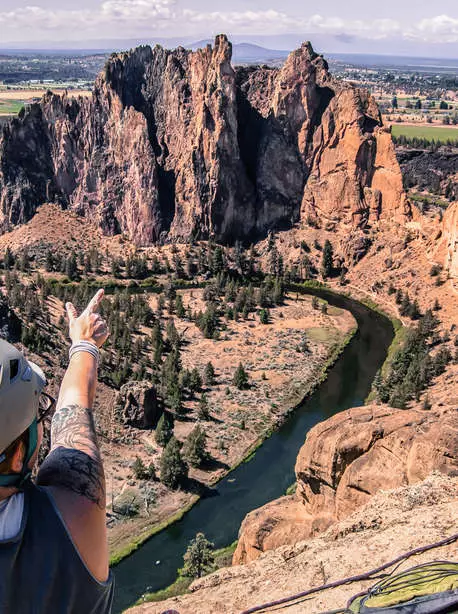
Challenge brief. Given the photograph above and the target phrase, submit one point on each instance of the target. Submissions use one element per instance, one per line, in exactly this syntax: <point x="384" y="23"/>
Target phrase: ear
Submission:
<point x="18" y="458"/>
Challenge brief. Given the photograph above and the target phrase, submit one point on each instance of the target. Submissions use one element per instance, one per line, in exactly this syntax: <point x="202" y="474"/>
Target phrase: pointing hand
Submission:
<point x="89" y="326"/>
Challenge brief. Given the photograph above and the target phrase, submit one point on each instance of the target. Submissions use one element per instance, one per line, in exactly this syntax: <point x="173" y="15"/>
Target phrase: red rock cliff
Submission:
<point x="344" y="462"/>
<point x="179" y="143"/>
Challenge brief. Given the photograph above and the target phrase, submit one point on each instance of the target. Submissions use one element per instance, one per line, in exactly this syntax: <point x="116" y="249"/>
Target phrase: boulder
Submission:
<point x="137" y="405"/>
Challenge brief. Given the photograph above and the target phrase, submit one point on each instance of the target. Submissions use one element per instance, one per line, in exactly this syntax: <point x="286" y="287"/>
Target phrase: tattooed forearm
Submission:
<point x="74" y="462"/>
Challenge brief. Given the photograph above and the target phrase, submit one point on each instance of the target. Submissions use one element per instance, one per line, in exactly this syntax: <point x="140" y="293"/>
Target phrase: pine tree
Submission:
<point x="8" y="259"/>
<point x="194" y="449"/>
<point x="195" y="381"/>
<point x="209" y="374"/>
<point x="179" y="307"/>
<point x="71" y="268"/>
<point x="203" y="412"/>
<point x="240" y="379"/>
<point x="173" y="469"/>
<point x="328" y="258"/>
<point x="140" y="470"/>
<point x="199" y="557"/>
<point x="164" y="429"/>
<point x="218" y="264"/>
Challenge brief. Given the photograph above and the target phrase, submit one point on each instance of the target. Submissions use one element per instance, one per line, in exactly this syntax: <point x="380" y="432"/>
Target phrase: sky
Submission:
<point x="351" y="25"/>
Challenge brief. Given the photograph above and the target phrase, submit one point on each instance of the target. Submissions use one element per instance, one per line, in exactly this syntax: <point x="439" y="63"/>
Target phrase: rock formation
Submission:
<point x="175" y="144"/>
<point x="137" y="405"/>
<point x="443" y="245"/>
<point x="391" y="524"/>
<point x="344" y="462"/>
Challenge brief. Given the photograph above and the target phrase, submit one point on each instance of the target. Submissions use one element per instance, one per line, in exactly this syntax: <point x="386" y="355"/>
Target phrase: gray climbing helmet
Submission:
<point x="21" y="383"/>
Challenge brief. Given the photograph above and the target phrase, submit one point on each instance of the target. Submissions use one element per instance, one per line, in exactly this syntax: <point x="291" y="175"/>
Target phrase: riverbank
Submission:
<point x="270" y="471"/>
<point x="281" y="377"/>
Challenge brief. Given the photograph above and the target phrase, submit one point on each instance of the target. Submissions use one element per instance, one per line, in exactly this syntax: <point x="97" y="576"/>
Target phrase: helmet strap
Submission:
<point x="19" y="480"/>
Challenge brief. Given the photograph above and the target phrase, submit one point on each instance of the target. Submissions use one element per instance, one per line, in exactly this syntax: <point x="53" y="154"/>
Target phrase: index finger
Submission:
<point x="95" y="301"/>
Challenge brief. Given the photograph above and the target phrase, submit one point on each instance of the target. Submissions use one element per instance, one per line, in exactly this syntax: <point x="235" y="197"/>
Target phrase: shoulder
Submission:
<point x="85" y="524"/>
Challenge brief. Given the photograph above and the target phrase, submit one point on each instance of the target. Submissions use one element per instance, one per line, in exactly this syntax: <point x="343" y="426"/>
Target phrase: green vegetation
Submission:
<point x="195" y="447"/>
<point x="222" y="558"/>
<point x="413" y="366"/>
<point x="173" y="469"/>
<point x="10" y="107"/>
<point x="142" y="472"/>
<point x="123" y="552"/>
<point x="240" y="379"/>
<point x="199" y="557"/>
<point x="429" y="133"/>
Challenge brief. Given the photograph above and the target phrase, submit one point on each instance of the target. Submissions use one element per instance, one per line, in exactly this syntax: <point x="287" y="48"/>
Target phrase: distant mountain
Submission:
<point x="260" y="48"/>
<point x="247" y="53"/>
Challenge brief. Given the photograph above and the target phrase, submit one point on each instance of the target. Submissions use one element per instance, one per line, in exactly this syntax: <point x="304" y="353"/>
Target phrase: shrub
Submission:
<point x="240" y="379"/>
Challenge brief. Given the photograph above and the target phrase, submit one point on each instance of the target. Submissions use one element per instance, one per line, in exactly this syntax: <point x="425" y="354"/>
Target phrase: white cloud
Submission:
<point x="437" y="29"/>
<point x="136" y="9"/>
<point x="140" y="18"/>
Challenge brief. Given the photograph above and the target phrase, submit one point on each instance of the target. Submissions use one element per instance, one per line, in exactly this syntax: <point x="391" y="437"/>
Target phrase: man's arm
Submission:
<point x="73" y="470"/>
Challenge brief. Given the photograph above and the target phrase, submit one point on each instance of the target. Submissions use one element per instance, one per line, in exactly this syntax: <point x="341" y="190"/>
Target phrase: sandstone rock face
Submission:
<point x="344" y="462"/>
<point x="137" y="405"/>
<point x="177" y="143"/>
<point x="443" y="246"/>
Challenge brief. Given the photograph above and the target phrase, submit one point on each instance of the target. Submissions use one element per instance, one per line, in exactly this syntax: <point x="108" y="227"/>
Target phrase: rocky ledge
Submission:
<point x="392" y="523"/>
<point x="175" y="144"/>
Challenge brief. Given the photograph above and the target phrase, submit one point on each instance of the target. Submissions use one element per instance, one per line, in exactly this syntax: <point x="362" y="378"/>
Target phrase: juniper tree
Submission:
<point x="173" y="468"/>
<point x="195" y="381"/>
<point x="71" y="268"/>
<point x="199" y="557"/>
<point x="240" y="379"/>
<point x="203" y="411"/>
<point x="179" y="307"/>
<point x="194" y="449"/>
<point x="8" y="259"/>
<point x="164" y="429"/>
<point x="327" y="260"/>
<point x="140" y="470"/>
<point x="209" y="374"/>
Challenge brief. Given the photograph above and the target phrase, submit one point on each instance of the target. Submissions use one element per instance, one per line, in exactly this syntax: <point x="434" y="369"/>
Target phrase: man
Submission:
<point x="53" y="542"/>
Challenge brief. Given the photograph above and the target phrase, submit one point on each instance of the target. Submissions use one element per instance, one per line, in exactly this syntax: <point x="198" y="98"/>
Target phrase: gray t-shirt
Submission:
<point x="11" y="511"/>
<point x="41" y="569"/>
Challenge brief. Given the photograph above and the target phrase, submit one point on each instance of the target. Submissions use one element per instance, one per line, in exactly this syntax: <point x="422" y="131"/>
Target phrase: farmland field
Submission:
<point x="435" y="133"/>
<point x="10" y="107"/>
<point x="11" y="101"/>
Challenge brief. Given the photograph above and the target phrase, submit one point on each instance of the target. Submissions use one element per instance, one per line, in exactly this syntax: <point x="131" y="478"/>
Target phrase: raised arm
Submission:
<point x="73" y="470"/>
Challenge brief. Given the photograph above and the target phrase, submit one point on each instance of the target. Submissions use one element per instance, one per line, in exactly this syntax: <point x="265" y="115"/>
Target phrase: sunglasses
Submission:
<point x="46" y="406"/>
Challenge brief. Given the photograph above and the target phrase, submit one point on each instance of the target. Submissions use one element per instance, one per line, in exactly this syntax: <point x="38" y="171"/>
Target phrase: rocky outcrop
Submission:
<point x="137" y="405"/>
<point x="443" y="244"/>
<point x="391" y="524"/>
<point x="175" y="144"/>
<point x="344" y="462"/>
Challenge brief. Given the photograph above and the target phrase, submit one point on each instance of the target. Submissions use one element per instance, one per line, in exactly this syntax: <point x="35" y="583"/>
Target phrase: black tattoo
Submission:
<point x="74" y="462"/>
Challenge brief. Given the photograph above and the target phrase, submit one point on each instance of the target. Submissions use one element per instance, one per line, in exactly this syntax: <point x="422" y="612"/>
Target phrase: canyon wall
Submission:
<point x="175" y="144"/>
